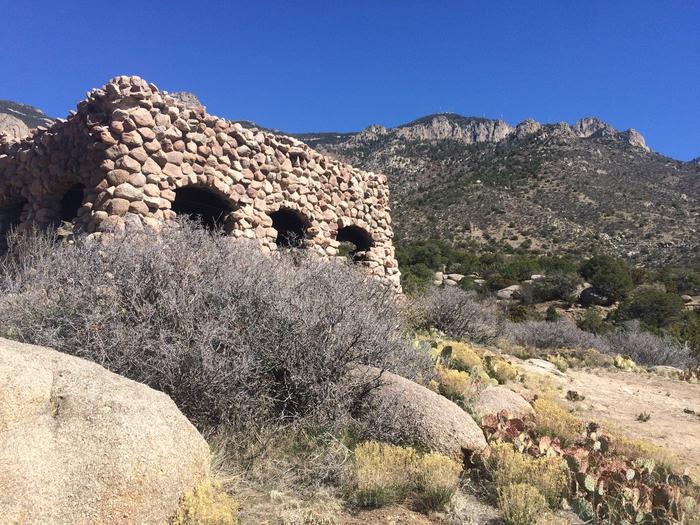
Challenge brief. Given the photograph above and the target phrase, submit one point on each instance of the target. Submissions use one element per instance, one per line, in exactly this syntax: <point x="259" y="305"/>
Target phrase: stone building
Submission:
<point x="134" y="157"/>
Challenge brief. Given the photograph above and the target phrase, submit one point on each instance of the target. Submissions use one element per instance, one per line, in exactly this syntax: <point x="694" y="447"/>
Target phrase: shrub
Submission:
<point x="553" y="420"/>
<point x="521" y="504"/>
<point x="592" y="321"/>
<point x="608" y="275"/>
<point x="230" y="334"/>
<point x="383" y="474"/>
<point x="551" y="315"/>
<point x="553" y="335"/>
<point x="548" y="475"/>
<point x="437" y="479"/>
<point x="206" y="504"/>
<point x="555" y="286"/>
<point x="458" y="314"/>
<point x="654" y="307"/>
<point x="460" y="356"/>
<point x="648" y="349"/>
<point x="455" y="385"/>
<point x="500" y="369"/>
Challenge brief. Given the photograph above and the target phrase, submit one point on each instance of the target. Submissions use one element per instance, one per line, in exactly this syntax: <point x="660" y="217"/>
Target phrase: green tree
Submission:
<point x="609" y="275"/>
<point x="654" y="307"/>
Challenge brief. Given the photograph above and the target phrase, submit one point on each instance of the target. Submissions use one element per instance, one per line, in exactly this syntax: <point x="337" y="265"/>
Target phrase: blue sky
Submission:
<point x="342" y="65"/>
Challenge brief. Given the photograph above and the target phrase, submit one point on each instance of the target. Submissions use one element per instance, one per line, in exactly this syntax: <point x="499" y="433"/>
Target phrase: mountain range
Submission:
<point x="548" y="188"/>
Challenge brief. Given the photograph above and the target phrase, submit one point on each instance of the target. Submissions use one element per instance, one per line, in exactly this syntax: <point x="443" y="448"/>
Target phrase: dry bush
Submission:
<point x="640" y="449"/>
<point x="648" y="349"/>
<point x="500" y="369"/>
<point x="507" y="466"/>
<point x="459" y="314"/>
<point x="460" y="356"/>
<point x="553" y="420"/>
<point x="553" y="335"/>
<point x="521" y="504"/>
<point x="383" y="474"/>
<point x="455" y="384"/>
<point x="644" y="347"/>
<point x="206" y="504"/>
<point x="437" y="479"/>
<point x="232" y="335"/>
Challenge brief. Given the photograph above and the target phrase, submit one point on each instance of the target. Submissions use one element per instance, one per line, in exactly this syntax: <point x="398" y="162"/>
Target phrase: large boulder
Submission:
<point x="499" y="398"/>
<point x="592" y="297"/>
<point x="514" y="291"/>
<point x="81" y="445"/>
<point x="406" y="412"/>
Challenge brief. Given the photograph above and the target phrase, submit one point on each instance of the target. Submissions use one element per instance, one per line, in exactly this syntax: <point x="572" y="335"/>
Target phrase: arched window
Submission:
<point x="202" y="205"/>
<point x="71" y="202"/>
<point x="291" y="227"/>
<point x="355" y="242"/>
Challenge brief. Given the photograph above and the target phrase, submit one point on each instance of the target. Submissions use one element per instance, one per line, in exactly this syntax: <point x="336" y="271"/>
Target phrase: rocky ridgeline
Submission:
<point x="471" y="130"/>
<point x="17" y="120"/>
<point x="129" y="150"/>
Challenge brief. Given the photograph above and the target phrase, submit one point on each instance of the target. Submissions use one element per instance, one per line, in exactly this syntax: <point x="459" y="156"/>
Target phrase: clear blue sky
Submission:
<point x="342" y="65"/>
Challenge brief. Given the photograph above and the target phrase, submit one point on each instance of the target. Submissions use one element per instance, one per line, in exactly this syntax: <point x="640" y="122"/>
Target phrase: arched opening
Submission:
<point x="202" y="205"/>
<point x="291" y="228"/>
<point x="10" y="217"/>
<point x="71" y="202"/>
<point x="355" y="242"/>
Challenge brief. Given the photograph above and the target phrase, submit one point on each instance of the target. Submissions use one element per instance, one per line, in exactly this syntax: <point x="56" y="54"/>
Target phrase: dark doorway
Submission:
<point x="10" y="217"/>
<point x="202" y="205"/>
<point x="291" y="228"/>
<point x="355" y="242"/>
<point x="71" y="202"/>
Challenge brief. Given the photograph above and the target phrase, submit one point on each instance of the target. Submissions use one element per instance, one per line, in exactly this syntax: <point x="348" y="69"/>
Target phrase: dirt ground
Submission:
<point x="615" y="398"/>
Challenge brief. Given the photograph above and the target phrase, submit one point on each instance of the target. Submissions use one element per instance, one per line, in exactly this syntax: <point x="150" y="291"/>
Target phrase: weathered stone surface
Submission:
<point x="420" y="416"/>
<point x="144" y="138"/>
<point x="81" y="445"/>
<point x="498" y="398"/>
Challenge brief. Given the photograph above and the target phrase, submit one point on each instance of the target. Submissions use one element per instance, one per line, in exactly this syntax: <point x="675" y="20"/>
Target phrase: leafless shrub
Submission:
<point x="232" y="335"/>
<point x="459" y="314"/>
<point x="643" y="347"/>
<point x="648" y="349"/>
<point x="554" y="335"/>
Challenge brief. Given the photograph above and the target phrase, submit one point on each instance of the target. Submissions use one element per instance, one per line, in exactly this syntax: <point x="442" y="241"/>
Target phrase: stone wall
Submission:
<point x="132" y="157"/>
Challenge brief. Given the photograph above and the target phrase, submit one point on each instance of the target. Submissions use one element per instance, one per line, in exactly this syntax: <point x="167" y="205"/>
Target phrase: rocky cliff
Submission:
<point x="16" y="120"/>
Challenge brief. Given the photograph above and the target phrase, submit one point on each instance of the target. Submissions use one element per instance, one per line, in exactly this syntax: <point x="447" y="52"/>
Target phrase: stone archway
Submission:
<point x="357" y="241"/>
<point x="203" y="205"/>
<point x="291" y="226"/>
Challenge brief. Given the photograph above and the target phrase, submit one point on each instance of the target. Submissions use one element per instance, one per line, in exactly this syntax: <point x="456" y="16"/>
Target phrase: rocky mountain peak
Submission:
<point x="17" y="120"/>
<point x="589" y="126"/>
<point x="188" y="100"/>
<point x="456" y="127"/>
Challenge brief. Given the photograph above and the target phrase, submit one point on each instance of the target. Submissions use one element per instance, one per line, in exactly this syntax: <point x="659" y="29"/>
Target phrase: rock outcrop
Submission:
<point x="13" y="127"/>
<point x="499" y="398"/>
<point x="418" y="416"/>
<point x="81" y="445"/>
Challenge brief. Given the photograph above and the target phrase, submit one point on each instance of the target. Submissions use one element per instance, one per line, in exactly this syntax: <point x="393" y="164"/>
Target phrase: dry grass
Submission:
<point x="548" y="475"/>
<point x="500" y="369"/>
<point x="385" y="474"/>
<point x="521" y="504"/>
<point x="437" y="479"/>
<point x="455" y="384"/>
<point x="460" y="356"/>
<point x="206" y="504"/>
<point x="640" y="449"/>
<point x="553" y="420"/>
